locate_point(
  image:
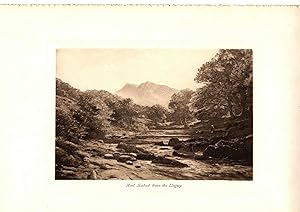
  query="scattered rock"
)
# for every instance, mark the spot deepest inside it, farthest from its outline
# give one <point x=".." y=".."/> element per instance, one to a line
<point x="169" y="162"/>
<point x="129" y="162"/>
<point x="173" y="141"/>
<point x="108" y="156"/>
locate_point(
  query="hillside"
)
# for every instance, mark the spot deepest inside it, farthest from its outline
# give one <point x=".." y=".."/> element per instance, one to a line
<point x="147" y="93"/>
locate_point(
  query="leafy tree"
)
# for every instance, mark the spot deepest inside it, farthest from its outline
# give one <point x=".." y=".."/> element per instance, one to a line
<point x="94" y="115"/>
<point x="227" y="85"/>
<point x="179" y="107"/>
<point x="156" y="113"/>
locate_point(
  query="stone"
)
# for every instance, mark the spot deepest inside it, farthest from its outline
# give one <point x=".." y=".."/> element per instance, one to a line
<point x="108" y="156"/>
<point x="137" y="166"/>
<point x="133" y="154"/>
<point x="173" y="141"/>
<point x="178" y="146"/>
<point x="123" y="158"/>
<point x="116" y="155"/>
<point x="129" y="162"/>
<point x="145" y="156"/>
<point x="159" y="143"/>
<point x="93" y="175"/>
<point x="169" y="162"/>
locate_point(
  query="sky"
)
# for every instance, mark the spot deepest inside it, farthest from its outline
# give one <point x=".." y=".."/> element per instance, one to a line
<point x="111" y="69"/>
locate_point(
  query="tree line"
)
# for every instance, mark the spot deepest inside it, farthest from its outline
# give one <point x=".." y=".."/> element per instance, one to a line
<point x="225" y="92"/>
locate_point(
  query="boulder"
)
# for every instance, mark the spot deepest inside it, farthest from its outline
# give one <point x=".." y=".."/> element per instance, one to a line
<point x="173" y="141"/>
<point x="92" y="175"/>
<point x="129" y="162"/>
<point x="137" y="166"/>
<point x="168" y="162"/>
<point x="108" y="156"/>
<point x="123" y="158"/>
<point x="145" y="156"/>
<point x="178" y="146"/>
<point x="133" y="154"/>
<point x="64" y="158"/>
<point x="116" y="155"/>
<point x="211" y="151"/>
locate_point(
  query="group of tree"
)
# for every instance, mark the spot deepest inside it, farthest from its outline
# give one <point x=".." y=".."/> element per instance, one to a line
<point x="95" y="113"/>
<point x="225" y="91"/>
<point x="227" y="84"/>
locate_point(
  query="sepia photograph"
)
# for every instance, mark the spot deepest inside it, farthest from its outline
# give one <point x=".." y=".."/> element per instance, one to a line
<point x="154" y="114"/>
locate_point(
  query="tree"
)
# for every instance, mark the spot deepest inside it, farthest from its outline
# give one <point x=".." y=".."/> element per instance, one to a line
<point x="94" y="115"/>
<point x="227" y="85"/>
<point x="179" y="107"/>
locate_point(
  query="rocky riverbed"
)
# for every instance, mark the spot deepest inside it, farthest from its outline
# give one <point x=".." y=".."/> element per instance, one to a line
<point x="157" y="155"/>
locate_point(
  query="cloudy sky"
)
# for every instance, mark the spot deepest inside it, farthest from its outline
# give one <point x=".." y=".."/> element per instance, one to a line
<point x="111" y="69"/>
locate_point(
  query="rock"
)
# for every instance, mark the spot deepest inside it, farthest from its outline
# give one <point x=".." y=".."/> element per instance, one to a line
<point x="200" y="157"/>
<point x="108" y="156"/>
<point x="173" y="141"/>
<point x="93" y="175"/>
<point x="211" y="151"/>
<point x="116" y="155"/>
<point x="169" y="162"/>
<point x="164" y="148"/>
<point x="145" y="156"/>
<point x="129" y="162"/>
<point x="64" y="158"/>
<point x="133" y="154"/>
<point x="160" y="143"/>
<point x="130" y="148"/>
<point x="137" y="166"/>
<point x="178" y="146"/>
<point x="124" y="158"/>
<point x="66" y="145"/>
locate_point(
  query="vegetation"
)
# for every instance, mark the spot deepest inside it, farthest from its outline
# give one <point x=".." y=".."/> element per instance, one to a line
<point x="224" y="98"/>
<point x="227" y="90"/>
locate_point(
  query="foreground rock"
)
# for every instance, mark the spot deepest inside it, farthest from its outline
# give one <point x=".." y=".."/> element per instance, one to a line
<point x="137" y="152"/>
<point x="235" y="149"/>
<point x="173" y="141"/>
<point x="108" y="156"/>
<point x="168" y="162"/>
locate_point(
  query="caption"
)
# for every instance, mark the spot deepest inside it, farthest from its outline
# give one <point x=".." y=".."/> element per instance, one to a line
<point x="153" y="185"/>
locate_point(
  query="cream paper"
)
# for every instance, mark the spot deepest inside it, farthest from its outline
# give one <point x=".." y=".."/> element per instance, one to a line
<point x="30" y="36"/>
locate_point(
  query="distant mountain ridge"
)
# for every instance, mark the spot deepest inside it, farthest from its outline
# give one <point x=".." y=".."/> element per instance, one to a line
<point x="147" y="93"/>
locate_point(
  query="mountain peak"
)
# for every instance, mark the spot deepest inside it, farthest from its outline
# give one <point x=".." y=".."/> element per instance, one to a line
<point x="147" y="93"/>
